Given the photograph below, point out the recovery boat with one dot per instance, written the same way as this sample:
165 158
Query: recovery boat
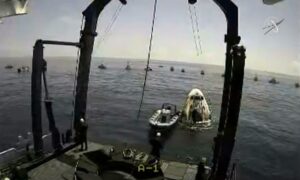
164 118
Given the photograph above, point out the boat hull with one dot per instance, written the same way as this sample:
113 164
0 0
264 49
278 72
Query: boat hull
155 122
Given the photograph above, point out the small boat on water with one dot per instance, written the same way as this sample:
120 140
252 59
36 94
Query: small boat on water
202 72
182 70
255 78
9 66
171 68
148 69
273 81
196 111
101 66
161 66
297 85
164 118
128 67
23 69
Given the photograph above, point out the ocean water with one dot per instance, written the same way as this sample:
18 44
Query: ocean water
267 143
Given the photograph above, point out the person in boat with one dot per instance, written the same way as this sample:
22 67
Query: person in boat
165 114
83 134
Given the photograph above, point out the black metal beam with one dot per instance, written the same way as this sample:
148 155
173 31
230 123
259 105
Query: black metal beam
228 139
232 38
88 34
38 70
36 95
63 43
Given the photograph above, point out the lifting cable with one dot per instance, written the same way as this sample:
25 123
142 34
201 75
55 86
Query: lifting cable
109 26
148 59
75 77
198 31
195 27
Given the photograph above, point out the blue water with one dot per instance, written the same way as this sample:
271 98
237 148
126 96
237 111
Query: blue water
267 144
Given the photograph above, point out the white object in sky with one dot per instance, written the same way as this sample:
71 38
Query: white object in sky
273 26
13 8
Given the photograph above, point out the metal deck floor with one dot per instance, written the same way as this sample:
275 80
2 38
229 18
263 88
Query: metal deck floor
61 169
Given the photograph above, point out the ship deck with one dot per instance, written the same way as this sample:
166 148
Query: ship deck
62 167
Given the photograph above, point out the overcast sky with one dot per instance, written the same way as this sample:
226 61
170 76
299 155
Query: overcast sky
173 38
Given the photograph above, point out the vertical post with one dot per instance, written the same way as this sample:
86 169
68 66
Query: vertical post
36 93
88 34
231 38
228 140
55 135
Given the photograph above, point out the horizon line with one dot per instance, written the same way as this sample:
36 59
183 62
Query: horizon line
141 59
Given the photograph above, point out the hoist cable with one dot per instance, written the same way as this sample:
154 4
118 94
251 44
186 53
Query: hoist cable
148 59
198 31
75 76
193 28
109 27
115 16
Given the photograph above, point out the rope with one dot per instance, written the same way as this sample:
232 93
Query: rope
115 16
193 28
75 77
109 27
198 31
148 59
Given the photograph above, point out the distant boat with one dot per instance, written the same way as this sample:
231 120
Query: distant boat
273 81
255 78
202 72
182 70
23 69
128 67
148 69
102 66
223 75
297 85
9 66
171 68
161 66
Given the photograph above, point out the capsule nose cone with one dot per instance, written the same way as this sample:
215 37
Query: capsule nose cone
192 1
124 2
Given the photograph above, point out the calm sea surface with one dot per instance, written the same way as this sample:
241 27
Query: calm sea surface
268 138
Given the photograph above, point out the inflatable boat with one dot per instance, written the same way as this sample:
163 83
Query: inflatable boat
164 118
